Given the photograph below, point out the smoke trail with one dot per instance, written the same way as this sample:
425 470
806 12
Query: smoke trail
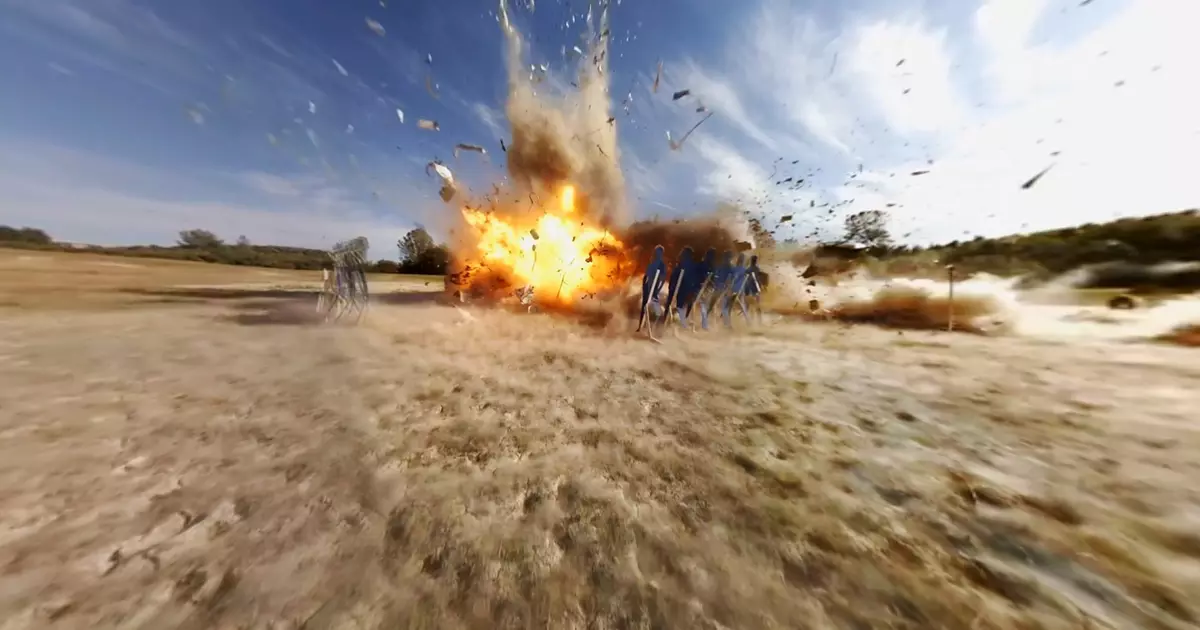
567 138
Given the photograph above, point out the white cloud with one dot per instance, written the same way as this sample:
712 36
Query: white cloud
904 68
491 118
1109 98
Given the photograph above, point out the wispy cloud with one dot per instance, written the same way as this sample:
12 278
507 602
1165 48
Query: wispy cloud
861 101
79 196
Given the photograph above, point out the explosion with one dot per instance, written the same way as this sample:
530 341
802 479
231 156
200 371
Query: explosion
546 233
560 254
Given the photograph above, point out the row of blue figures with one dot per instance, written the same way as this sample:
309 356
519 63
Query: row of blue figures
701 285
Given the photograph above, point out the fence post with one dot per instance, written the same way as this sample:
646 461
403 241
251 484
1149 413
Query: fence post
950 278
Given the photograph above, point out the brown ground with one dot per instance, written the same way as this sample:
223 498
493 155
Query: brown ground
216 461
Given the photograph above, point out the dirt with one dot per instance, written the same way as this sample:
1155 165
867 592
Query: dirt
225 462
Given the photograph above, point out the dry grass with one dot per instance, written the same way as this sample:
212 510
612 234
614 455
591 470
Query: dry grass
184 467
1186 335
89 282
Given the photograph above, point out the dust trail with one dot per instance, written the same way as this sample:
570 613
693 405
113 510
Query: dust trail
982 304
566 138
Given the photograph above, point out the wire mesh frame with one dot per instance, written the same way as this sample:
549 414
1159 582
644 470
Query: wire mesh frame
344 291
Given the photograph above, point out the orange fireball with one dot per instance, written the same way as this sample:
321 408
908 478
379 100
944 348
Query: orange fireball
560 254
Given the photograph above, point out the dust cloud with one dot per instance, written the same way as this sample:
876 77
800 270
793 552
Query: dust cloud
566 138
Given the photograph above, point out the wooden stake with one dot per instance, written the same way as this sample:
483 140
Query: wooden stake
950 277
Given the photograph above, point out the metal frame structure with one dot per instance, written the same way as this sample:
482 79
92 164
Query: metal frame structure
345 291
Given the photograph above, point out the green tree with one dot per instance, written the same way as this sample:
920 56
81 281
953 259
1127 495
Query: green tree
867 229
433 261
199 239
415 245
385 266
10 234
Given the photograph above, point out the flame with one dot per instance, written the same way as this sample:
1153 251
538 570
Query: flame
560 254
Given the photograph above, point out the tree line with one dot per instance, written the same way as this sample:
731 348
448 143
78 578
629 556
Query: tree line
417 252
1122 245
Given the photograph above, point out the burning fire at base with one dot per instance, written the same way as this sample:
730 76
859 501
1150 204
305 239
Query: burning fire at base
557 257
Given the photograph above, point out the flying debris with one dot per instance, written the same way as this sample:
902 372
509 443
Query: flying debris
920 172
340 68
676 145
441 170
680 94
429 59
1034 180
400 115
468 147
312 107
447 191
349 128
376 27
657 77
429 125
785 218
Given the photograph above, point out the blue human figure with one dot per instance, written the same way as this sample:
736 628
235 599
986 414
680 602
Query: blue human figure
652 282
737 284
752 290
680 278
702 285
722 282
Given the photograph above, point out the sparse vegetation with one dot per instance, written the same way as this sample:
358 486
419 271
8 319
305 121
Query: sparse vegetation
1122 250
205 246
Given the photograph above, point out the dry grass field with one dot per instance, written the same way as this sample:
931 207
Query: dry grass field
179 457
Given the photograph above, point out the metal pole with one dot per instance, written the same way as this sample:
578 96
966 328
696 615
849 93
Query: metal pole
674 297
950 318
646 304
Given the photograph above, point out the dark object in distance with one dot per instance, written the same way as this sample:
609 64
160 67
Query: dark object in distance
1123 303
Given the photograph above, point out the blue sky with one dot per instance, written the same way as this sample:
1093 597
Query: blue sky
125 121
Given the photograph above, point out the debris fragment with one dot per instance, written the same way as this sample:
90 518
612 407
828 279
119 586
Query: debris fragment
1034 180
400 115
441 170
429 125
676 145
339 67
376 27
680 94
657 77
429 59
785 218
312 107
468 147
534 234
919 172
349 128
